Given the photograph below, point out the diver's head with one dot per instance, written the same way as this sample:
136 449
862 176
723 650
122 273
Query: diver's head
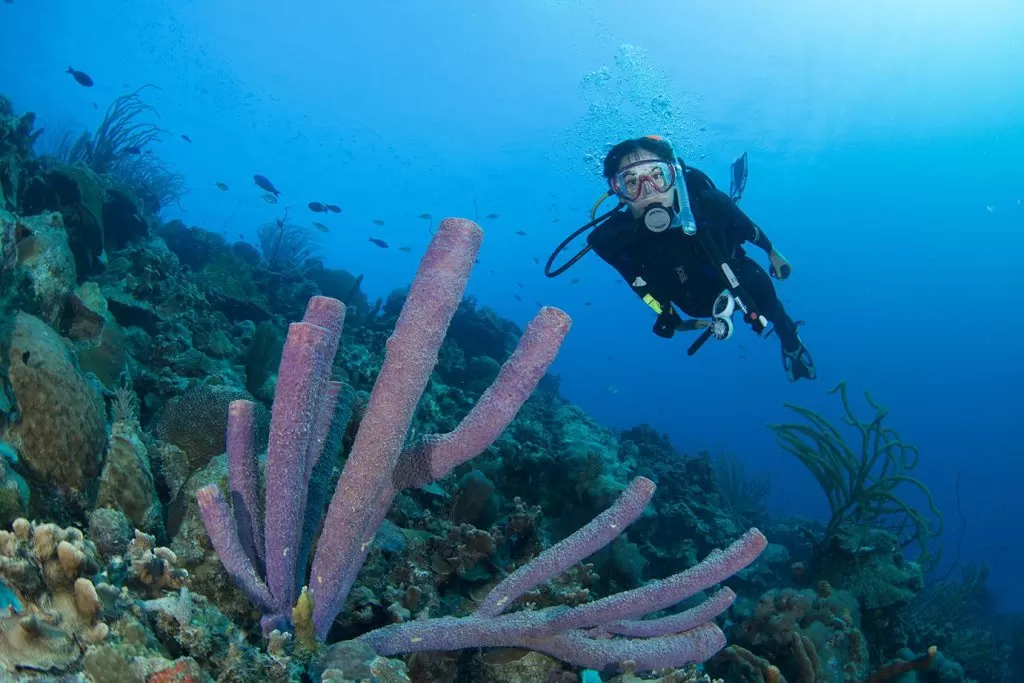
643 174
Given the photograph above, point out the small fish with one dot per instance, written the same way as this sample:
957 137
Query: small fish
333 208
186 138
518 298
264 183
519 284
521 233
612 389
320 226
269 198
556 220
425 216
134 149
492 215
536 260
25 356
380 243
83 79
405 249
317 207
222 187
95 106
8 2
574 281
377 221
586 303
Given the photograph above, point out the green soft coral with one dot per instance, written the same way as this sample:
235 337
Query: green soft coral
860 480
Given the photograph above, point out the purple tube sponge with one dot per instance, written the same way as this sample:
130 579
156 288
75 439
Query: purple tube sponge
246 539
585 635
260 549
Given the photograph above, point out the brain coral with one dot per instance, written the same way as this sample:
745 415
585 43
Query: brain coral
61 428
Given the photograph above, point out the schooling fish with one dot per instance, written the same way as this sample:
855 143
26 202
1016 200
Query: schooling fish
265 184
380 243
81 77
491 215
425 216
269 198
222 187
320 226
134 149
378 221
186 138
333 208
317 207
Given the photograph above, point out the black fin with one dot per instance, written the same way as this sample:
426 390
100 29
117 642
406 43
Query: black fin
738 181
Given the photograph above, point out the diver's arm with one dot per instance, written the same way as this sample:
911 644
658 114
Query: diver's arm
746 230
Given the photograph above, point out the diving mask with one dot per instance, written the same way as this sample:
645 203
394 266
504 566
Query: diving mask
643 178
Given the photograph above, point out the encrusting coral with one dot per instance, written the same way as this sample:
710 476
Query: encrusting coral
47 569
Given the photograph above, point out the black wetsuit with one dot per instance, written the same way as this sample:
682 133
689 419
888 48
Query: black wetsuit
673 267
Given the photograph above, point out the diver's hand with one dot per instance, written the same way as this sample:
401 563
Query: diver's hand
781 268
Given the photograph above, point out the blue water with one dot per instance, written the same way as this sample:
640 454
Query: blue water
885 143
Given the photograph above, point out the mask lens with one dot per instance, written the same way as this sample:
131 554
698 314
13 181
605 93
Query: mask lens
644 177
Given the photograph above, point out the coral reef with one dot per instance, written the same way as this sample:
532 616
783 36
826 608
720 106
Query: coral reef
130 343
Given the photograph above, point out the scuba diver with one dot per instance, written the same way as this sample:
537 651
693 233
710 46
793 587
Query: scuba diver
677 241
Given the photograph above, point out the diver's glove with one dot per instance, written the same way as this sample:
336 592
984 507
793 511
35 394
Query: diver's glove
669 322
781 268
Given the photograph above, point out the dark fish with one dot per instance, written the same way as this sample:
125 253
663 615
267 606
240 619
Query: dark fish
333 208
425 216
317 207
25 356
520 284
222 187
492 215
574 281
377 221
405 249
518 298
81 77
186 138
536 260
8 2
380 243
586 303
521 233
320 226
134 149
264 183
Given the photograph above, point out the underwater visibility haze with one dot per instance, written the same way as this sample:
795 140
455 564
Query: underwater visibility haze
289 391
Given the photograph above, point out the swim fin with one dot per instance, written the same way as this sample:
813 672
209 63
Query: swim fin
798 363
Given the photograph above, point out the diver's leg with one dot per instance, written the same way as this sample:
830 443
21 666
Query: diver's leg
795 358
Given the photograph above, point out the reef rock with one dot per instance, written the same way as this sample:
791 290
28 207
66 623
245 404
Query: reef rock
100 341
77 193
44 259
16 140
